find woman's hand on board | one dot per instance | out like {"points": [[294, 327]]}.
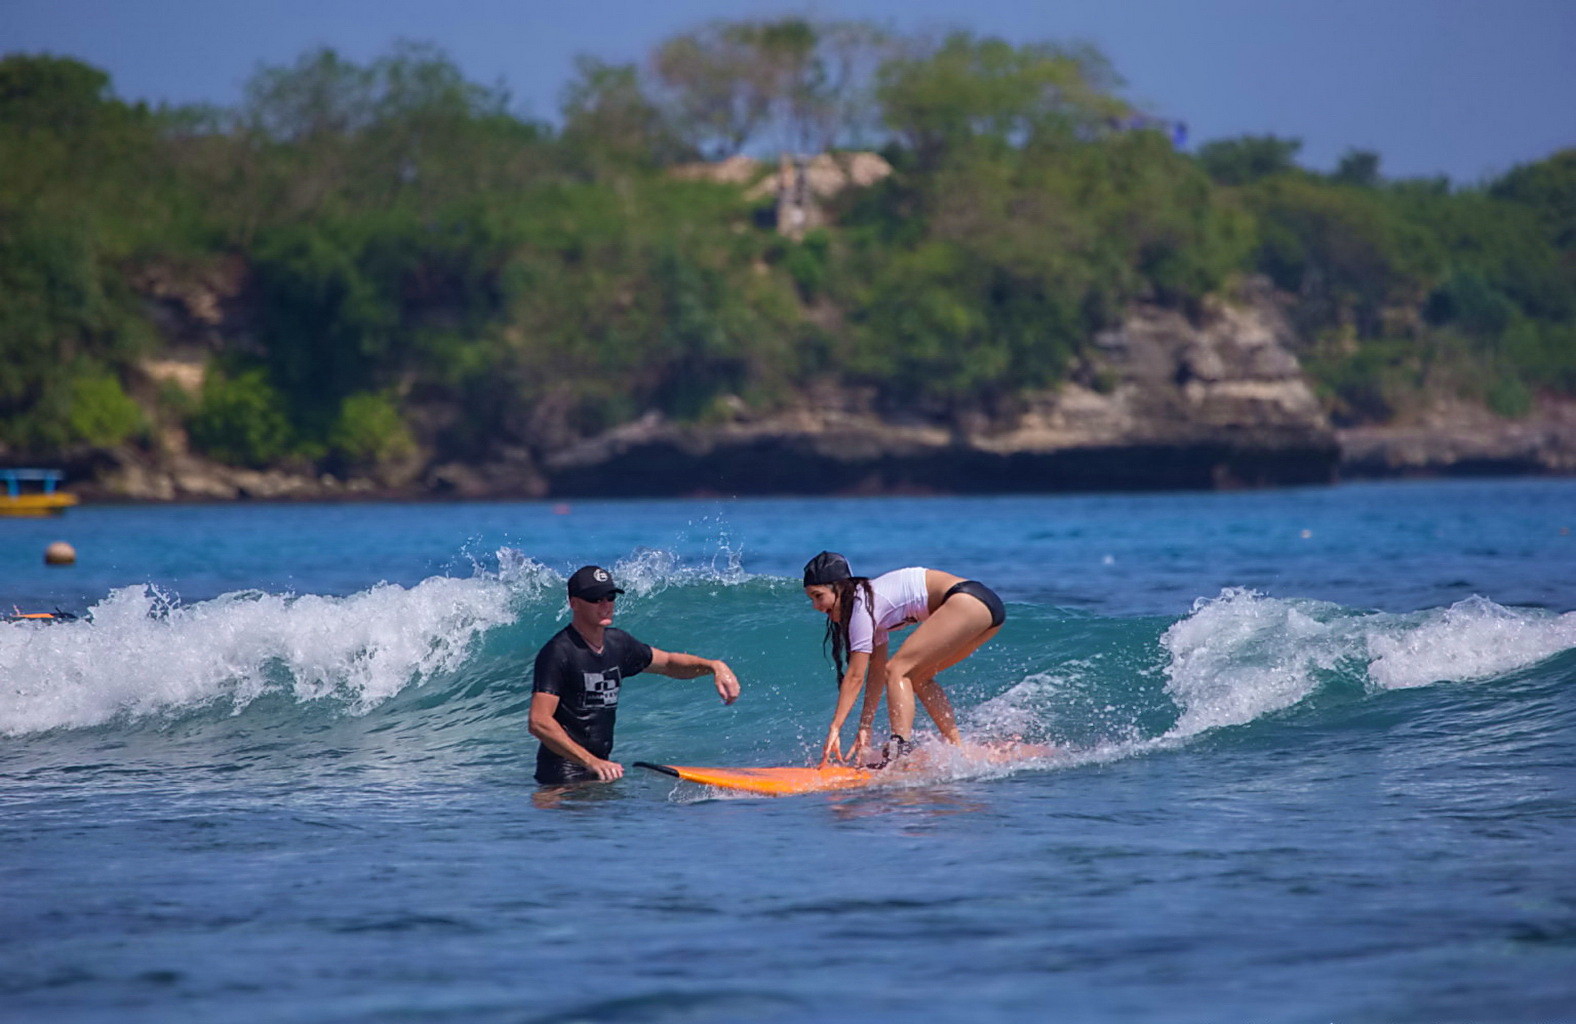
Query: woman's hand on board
{"points": [[832, 750], [860, 754]]}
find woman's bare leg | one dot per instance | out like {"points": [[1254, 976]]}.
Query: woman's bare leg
{"points": [[951, 633], [934, 698]]}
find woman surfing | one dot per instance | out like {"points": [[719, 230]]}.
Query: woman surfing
{"points": [[954, 615]]}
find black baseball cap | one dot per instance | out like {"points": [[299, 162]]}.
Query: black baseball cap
{"points": [[592, 583], [827, 567]]}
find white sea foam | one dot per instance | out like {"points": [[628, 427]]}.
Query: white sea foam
{"points": [[1240, 656], [1473, 639], [143, 654]]}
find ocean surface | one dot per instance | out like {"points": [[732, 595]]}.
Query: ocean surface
{"points": [[1316, 761]]}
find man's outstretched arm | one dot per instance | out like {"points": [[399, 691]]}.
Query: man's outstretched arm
{"points": [[677, 665]]}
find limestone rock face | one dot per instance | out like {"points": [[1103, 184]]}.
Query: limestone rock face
{"points": [[825, 174], [1220, 402], [1230, 379], [184, 477], [798, 184], [1465, 440]]}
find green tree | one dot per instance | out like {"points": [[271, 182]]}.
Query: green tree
{"points": [[57, 95], [1244, 160], [321, 98], [1347, 254], [369, 433], [798, 84], [326, 135], [1548, 188], [938, 98], [1358, 167], [611, 122], [100, 412], [63, 306], [241, 420], [717, 94]]}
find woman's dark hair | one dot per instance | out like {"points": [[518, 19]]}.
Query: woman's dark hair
{"points": [[837, 628]]}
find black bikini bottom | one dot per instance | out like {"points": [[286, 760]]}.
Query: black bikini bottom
{"points": [[985, 595]]}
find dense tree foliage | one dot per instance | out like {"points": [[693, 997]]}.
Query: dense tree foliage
{"points": [[426, 268]]}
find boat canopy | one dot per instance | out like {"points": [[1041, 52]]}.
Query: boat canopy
{"points": [[15, 478]]}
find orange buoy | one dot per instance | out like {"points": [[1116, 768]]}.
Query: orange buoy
{"points": [[60, 553]]}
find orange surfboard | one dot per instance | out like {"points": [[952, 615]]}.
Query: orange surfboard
{"points": [[786, 781], [770, 781]]}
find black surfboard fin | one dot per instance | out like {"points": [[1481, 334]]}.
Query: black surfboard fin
{"points": [[664, 769]]}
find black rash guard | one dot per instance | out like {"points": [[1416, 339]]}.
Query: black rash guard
{"points": [[586, 684]]}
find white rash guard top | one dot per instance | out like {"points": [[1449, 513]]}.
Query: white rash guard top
{"points": [[900, 600]]}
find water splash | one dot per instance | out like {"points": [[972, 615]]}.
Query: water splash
{"points": [[1471, 640], [1241, 656], [144, 653], [649, 571], [141, 652]]}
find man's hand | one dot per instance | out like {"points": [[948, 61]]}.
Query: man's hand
{"points": [[606, 771], [727, 682]]}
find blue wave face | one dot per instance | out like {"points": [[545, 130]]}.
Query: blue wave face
{"points": [[438, 673]]}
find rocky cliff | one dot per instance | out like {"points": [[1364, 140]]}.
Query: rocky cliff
{"points": [[1460, 439], [1162, 401], [1165, 403]]}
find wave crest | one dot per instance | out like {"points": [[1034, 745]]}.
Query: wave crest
{"points": [[1240, 656], [140, 652], [143, 653]]}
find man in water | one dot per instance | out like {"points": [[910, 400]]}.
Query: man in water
{"points": [[574, 699]]}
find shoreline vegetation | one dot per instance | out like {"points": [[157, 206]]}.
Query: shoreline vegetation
{"points": [[787, 256]]}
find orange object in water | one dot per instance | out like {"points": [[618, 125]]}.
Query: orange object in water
{"points": [[771, 781], [786, 781], [18, 615]]}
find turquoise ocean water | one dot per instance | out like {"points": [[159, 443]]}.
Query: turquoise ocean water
{"points": [[1317, 763]]}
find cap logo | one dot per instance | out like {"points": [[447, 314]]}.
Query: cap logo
{"points": [[600, 576]]}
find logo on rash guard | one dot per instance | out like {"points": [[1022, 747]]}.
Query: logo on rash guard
{"points": [[601, 689]]}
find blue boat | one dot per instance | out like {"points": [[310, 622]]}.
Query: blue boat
{"points": [[33, 492]]}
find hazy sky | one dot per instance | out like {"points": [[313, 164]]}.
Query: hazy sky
{"points": [[1466, 88]]}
